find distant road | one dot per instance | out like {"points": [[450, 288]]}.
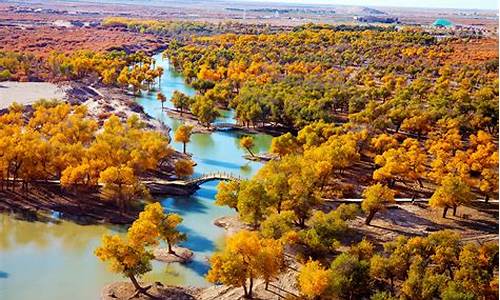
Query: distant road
{"points": [[398, 200]]}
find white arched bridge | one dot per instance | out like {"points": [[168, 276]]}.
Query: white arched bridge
{"points": [[212, 176], [187, 186]]}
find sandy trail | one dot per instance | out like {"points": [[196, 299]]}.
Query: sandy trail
{"points": [[28, 92]]}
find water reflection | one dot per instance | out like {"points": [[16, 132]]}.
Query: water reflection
{"points": [[56, 259]]}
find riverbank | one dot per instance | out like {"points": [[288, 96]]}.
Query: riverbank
{"points": [[104, 101], [284, 287], [232, 224], [188, 118], [45, 202]]}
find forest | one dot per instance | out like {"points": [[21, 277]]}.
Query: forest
{"points": [[396, 99], [367, 117], [380, 79]]}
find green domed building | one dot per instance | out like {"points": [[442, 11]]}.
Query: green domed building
{"points": [[442, 23]]}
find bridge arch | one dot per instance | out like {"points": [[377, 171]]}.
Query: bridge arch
{"points": [[213, 176]]}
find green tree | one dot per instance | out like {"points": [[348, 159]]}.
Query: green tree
{"points": [[204, 110], [375, 199], [227, 194], [277, 225], [253, 202], [452, 193], [326, 229], [350, 278], [181, 101]]}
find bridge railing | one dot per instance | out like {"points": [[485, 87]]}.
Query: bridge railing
{"points": [[214, 176]]}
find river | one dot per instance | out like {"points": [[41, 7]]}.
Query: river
{"points": [[48, 261]]}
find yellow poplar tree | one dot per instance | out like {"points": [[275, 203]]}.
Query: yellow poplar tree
{"points": [[183, 135], [375, 199], [452, 193], [247, 143], [313, 280], [245, 258]]}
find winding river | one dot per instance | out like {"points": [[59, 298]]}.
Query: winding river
{"points": [[48, 261]]}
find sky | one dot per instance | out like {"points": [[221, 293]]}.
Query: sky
{"points": [[468, 4]]}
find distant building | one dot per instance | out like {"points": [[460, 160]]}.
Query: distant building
{"points": [[442, 23], [376, 19]]}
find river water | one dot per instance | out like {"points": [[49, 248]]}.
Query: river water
{"points": [[48, 261]]}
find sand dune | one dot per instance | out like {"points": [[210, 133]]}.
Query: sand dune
{"points": [[28, 92]]}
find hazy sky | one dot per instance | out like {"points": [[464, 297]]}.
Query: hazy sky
{"points": [[470, 4]]}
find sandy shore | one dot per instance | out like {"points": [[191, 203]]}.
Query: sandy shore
{"points": [[28, 92], [100, 101]]}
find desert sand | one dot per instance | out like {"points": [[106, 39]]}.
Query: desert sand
{"points": [[28, 92]]}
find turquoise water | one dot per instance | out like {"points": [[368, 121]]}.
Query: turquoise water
{"points": [[48, 261], [217, 151]]}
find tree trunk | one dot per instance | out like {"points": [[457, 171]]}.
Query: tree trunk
{"points": [[392, 182], [454, 210], [323, 181], [250, 287], [136, 284], [184, 148], [370, 217], [139, 289], [170, 250], [420, 182], [250, 151], [245, 291], [302, 222], [445, 210], [267, 285], [487, 198]]}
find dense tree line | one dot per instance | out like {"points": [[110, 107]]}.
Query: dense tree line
{"points": [[311, 165], [385, 79], [394, 99], [114, 68], [184, 29]]}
